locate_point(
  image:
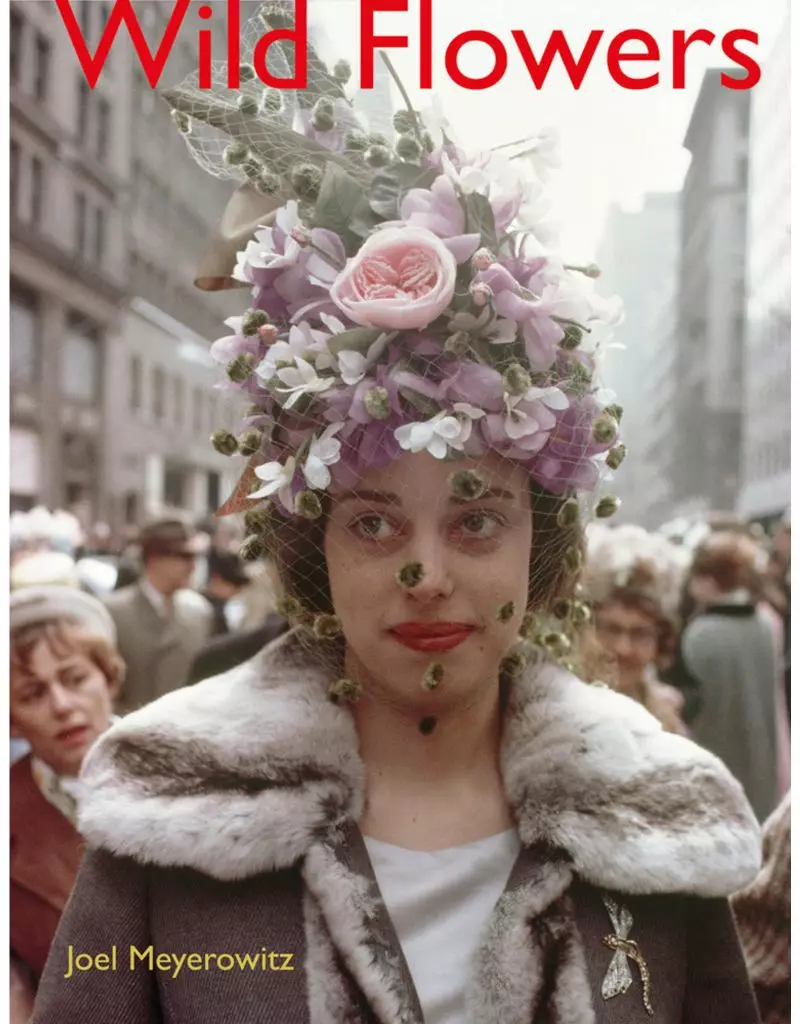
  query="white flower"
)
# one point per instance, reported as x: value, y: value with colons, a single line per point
x: 436, y: 434
x: 277, y: 478
x: 502, y: 332
x: 531, y: 413
x: 323, y: 452
x: 468, y: 179
x: 301, y: 379
x: 260, y: 251
x: 353, y: 365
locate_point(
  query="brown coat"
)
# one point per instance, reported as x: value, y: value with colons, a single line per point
x: 45, y: 856
x: 224, y: 821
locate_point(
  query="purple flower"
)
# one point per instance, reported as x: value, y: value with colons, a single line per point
x: 345, y: 120
x: 438, y: 209
x: 568, y: 461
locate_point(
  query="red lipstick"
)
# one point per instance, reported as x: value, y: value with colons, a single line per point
x: 431, y: 637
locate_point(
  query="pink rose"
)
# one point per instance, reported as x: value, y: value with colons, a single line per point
x: 401, y: 278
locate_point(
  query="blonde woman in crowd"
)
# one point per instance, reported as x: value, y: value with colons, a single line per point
x: 65, y: 672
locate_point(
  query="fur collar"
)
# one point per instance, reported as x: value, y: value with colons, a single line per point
x: 245, y: 772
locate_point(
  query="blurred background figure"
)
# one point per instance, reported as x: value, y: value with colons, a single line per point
x: 65, y: 671
x: 763, y: 920
x: 633, y: 579
x: 729, y: 647
x: 161, y: 623
x: 227, y: 577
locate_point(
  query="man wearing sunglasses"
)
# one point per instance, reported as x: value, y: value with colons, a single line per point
x: 161, y: 623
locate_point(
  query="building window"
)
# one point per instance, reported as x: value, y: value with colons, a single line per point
x: 84, y: 96
x: 80, y: 361
x: 42, y: 79
x: 177, y: 401
x: 37, y: 190
x: 131, y: 512
x: 16, y: 42
x: 16, y: 156
x: 135, y: 384
x: 25, y: 327
x: 99, y: 234
x: 103, y: 129
x: 175, y: 485
x: 158, y: 393
x: 80, y: 224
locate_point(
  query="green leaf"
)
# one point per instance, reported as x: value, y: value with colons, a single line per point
x: 363, y: 220
x: 339, y: 196
x: 427, y: 406
x: 357, y: 340
x: 480, y: 219
x: 389, y: 184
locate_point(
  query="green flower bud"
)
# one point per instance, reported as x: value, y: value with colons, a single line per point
x: 616, y: 456
x: 290, y: 608
x: 248, y: 105
x: 408, y: 148
x: 342, y: 71
x: 252, y: 320
x: 529, y: 627
x: 377, y: 139
x: 247, y: 73
x: 268, y: 184
x: 322, y: 115
x: 250, y: 442
x: 271, y: 101
x: 569, y: 513
x: 427, y: 725
x: 378, y: 156
x: 235, y: 154
x: 558, y: 644
x: 506, y: 612
x: 356, y: 141
x: 241, y: 368
x: 573, y: 560
x: 466, y: 485
x: 427, y: 142
x: 573, y: 336
x: 607, y: 506
x: 581, y: 374
x: 516, y: 380
x: 615, y: 411
x: 276, y: 16
x: 410, y: 575
x: 252, y: 549
x: 604, y: 429
x: 224, y: 442
x: 253, y: 168
x: 376, y: 402
x: 581, y: 614
x: 306, y: 179
x: 457, y: 344
x: 404, y: 121
x: 258, y: 520
x: 434, y: 674
x: 561, y: 608
x: 512, y: 665
x: 182, y: 122
x: 327, y: 627
x: 344, y: 691
x: 308, y: 505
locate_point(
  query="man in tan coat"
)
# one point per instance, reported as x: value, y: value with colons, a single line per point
x: 161, y: 624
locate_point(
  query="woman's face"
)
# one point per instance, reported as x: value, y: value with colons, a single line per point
x: 474, y: 557
x: 60, y: 704
x: 630, y: 637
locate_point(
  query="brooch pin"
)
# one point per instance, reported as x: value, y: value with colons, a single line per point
x: 618, y: 978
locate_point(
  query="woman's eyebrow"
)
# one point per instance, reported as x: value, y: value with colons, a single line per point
x: 382, y: 497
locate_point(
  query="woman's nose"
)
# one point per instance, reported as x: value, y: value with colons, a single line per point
x: 60, y: 699
x: 436, y: 581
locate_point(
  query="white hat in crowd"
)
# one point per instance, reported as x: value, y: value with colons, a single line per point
x: 33, y: 605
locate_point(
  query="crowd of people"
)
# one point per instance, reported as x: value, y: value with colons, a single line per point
x: 696, y: 635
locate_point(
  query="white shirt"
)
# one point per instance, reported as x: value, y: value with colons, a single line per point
x: 440, y: 903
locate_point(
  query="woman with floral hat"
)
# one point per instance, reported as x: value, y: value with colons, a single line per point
x: 407, y: 809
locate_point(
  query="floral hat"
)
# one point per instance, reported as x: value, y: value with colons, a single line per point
x: 405, y: 295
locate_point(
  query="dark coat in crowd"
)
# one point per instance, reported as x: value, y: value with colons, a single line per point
x: 226, y: 652
x: 46, y: 853
x: 730, y: 650
x: 157, y: 650
x: 223, y: 819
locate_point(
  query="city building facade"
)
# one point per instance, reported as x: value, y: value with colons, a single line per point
x: 106, y: 208
x: 766, y: 453
x: 709, y: 339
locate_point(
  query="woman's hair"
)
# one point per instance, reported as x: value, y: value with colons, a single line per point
x: 63, y: 638
x: 297, y: 548
x: 731, y: 561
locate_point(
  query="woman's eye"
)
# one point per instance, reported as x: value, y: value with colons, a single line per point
x: 75, y: 680
x: 373, y: 527
x: 480, y: 525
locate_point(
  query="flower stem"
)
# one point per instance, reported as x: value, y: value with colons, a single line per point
x: 406, y: 98
x: 330, y: 260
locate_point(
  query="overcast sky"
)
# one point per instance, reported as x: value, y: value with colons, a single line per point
x: 615, y: 144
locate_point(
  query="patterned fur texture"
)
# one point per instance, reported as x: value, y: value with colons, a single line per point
x: 246, y: 772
